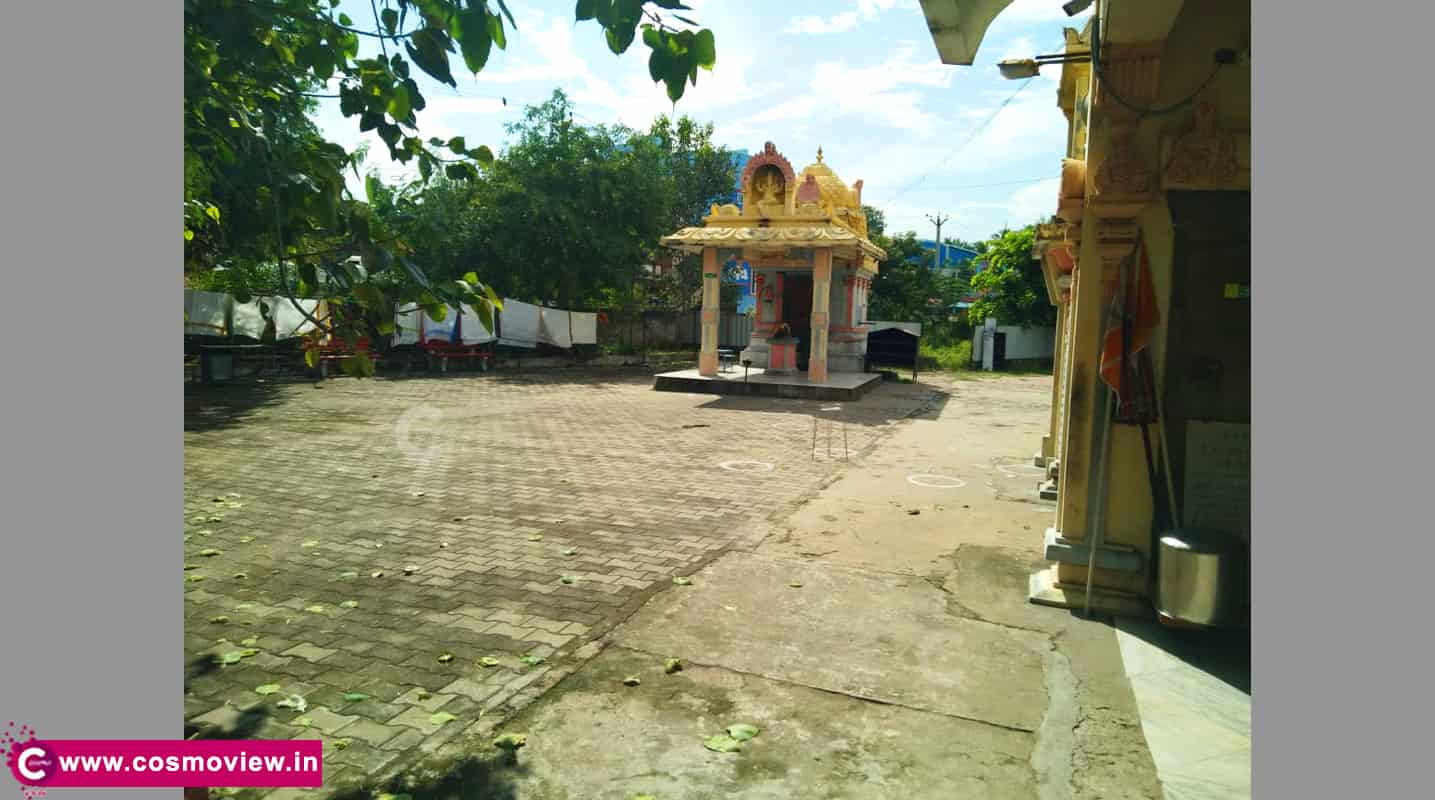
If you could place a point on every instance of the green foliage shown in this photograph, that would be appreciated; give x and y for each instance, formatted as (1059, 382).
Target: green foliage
(1011, 287)
(954, 357)
(263, 186)
(907, 288)
(570, 213)
(876, 221)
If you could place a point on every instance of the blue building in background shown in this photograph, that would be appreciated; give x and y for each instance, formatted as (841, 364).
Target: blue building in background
(950, 256)
(740, 272)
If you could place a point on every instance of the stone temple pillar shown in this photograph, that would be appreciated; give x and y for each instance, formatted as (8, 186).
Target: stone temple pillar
(707, 356)
(821, 315)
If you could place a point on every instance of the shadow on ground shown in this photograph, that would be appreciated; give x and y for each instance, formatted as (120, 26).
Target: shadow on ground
(208, 408)
(1222, 654)
(883, 405)
(468, 778)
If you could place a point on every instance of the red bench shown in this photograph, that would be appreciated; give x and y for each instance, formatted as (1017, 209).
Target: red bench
(443, 351)
(338, 349)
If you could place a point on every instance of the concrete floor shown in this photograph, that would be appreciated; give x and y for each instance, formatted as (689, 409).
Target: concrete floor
(865, 609)
(880, 638)
(1194, 694)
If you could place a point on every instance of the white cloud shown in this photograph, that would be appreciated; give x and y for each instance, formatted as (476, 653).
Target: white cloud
(865, 11)
(877, 94)
(1034, 202)
(845, 21)
(1038, 11)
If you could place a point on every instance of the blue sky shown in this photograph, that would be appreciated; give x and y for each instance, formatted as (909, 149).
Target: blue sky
(860, 78)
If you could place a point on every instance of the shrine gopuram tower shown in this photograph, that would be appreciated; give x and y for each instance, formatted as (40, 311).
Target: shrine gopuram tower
(805, 236)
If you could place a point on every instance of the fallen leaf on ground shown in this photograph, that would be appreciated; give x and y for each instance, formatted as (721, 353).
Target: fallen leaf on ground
(487, 662)
(424, 694)
(681, 581)
(355, 697)
(441, 718)
(445, 658)
(511, 741)
(632, 680)
(410, 570)
(250, 642)
(535, 537)
(376, 574)
(568, 551)
(419, 494)
(532, 660)
(443, 545)
(349, 604)
(722, 743)
(315, 609)
(342, 744)
(209, 551)
(248, 652)
(188, 567)
(796, 584)
(304, 722)
(296, 703)
(348, 576)
(742, 731)
(239, 576)
(310, 543)
(219, 620)
(673, 665)
(569, 579)
(231, 657)
(266, 689)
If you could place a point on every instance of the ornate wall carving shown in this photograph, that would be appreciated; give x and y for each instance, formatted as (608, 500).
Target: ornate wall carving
(1204, 156)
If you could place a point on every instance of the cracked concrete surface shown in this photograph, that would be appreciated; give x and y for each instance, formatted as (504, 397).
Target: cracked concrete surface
(883, 653)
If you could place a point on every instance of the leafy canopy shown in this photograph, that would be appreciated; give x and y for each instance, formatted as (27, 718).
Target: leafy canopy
(1011, 287)
(261, 185)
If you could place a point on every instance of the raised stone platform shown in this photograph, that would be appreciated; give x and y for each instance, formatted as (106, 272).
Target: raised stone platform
(838, 386)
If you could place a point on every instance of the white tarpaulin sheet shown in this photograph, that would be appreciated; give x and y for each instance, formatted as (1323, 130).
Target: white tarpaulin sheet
(289, 322)
(406, 324)
(206, 313)
(518, 324)
(441, 331)
(471, 330)
(585, 327)
(248, 319)
(553, 328)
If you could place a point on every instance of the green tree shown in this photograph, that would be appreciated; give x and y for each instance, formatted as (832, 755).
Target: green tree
(906, 287)
(697, 173)
(262, 185)
(876, 221)
(1011, 287)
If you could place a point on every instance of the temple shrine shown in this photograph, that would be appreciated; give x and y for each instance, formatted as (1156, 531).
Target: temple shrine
(805, 236)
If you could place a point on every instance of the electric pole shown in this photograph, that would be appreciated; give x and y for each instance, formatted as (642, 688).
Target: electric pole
(938, 220)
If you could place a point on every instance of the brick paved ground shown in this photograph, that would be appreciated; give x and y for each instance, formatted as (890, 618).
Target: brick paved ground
(297, 497)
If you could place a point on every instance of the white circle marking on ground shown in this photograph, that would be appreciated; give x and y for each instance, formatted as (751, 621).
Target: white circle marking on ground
(746, 466)
(936, 481)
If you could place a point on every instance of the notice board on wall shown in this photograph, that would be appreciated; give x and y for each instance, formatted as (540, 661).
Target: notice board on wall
(1218, 477)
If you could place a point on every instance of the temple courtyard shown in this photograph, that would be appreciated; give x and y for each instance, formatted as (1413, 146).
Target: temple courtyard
(408, 568)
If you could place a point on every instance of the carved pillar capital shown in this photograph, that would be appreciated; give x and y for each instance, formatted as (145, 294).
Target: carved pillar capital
(1130, 72)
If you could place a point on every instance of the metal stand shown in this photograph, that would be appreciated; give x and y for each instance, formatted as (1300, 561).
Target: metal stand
(841, 423)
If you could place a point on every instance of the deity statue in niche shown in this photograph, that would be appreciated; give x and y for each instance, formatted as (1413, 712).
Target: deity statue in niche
(769, 187)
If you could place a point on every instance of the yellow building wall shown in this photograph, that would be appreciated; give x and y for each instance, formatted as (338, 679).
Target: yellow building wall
(1187, 60)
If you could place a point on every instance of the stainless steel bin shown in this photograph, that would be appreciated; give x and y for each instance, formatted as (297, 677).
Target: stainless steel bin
(1200, 578)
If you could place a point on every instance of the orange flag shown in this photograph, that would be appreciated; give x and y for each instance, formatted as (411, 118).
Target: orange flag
(1140, 307)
